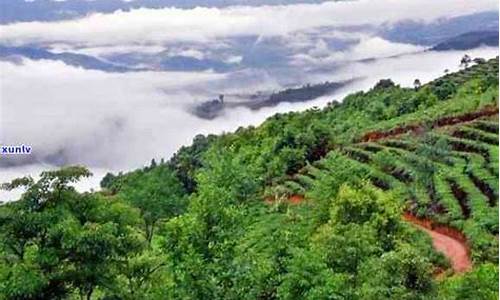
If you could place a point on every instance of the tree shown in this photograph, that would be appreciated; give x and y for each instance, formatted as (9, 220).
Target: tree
(417, 84)
(55, 240)
(465, 61)
(153, 164)
(479, 60)
(107, 181)
(188, 160)
(263, 253)
(145, 276)
(399, 274)
(384, 84)
(326, 188)
(481, 283)
(443, 89)
(201, 242)
(308, 277)
(158, 195)
(366, 204)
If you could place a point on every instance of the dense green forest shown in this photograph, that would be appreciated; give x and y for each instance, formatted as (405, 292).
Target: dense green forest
(307, 205)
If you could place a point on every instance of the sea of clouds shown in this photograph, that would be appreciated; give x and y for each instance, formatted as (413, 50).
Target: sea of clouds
(120, 121)
(201, 24)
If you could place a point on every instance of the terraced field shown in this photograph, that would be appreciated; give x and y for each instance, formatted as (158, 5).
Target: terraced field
(448, 174)
(444, 170)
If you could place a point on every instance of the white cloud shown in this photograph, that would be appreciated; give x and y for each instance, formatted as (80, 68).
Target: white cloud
(106, 50)
(367, 48)
(119, 122)
(205, 24)
(321, 49)
(375, 47)
(70, 109)
(234, 59)
(191, 53)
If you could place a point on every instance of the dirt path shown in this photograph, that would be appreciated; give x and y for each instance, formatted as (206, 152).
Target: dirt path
(452, 249)
(447, 241)
(444, 121)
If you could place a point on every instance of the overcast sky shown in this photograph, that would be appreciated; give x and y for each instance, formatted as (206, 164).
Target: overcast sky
(144, 26)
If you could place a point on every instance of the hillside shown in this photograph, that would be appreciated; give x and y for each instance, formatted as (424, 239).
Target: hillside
(211, 109)
(343, 202)
(469, 40)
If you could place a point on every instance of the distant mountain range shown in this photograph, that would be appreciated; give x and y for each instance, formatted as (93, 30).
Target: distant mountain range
(272, 54)
(52, 10)
(119, 65)
(73, 59)
(266, 57)
(188, 63)
(433, 33)
(469, 40)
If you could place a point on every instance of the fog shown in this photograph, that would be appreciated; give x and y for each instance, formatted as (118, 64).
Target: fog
(120, 121)
(113, 122)
(153, 26)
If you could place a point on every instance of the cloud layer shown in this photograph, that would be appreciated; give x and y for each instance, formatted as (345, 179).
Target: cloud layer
(158, 26)
(121, 121)
(112, 121)
(124, 120)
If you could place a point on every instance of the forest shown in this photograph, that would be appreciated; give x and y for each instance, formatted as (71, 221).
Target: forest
(213, 108)
(308, 205)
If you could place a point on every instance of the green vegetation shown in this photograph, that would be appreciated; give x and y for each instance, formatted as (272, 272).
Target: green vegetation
(217, 220)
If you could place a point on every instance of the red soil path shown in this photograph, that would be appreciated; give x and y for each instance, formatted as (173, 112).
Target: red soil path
(296, 199)
(417, 128)
(446, 240)
(449, 241)
(293, 199)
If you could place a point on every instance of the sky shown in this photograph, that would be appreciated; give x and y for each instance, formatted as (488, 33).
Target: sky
(120, 121)
(203, 24)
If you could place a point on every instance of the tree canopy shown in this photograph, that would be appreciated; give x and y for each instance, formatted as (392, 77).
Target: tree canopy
(307, 205)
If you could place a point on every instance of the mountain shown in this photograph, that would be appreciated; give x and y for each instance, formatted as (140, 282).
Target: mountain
(469, 40)
(187, 63)
(49, 10)
(214, 107)
(423, 33)
(73, 59)
(390, 194)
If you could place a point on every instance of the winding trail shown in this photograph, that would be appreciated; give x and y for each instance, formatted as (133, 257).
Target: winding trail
(448, 241)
